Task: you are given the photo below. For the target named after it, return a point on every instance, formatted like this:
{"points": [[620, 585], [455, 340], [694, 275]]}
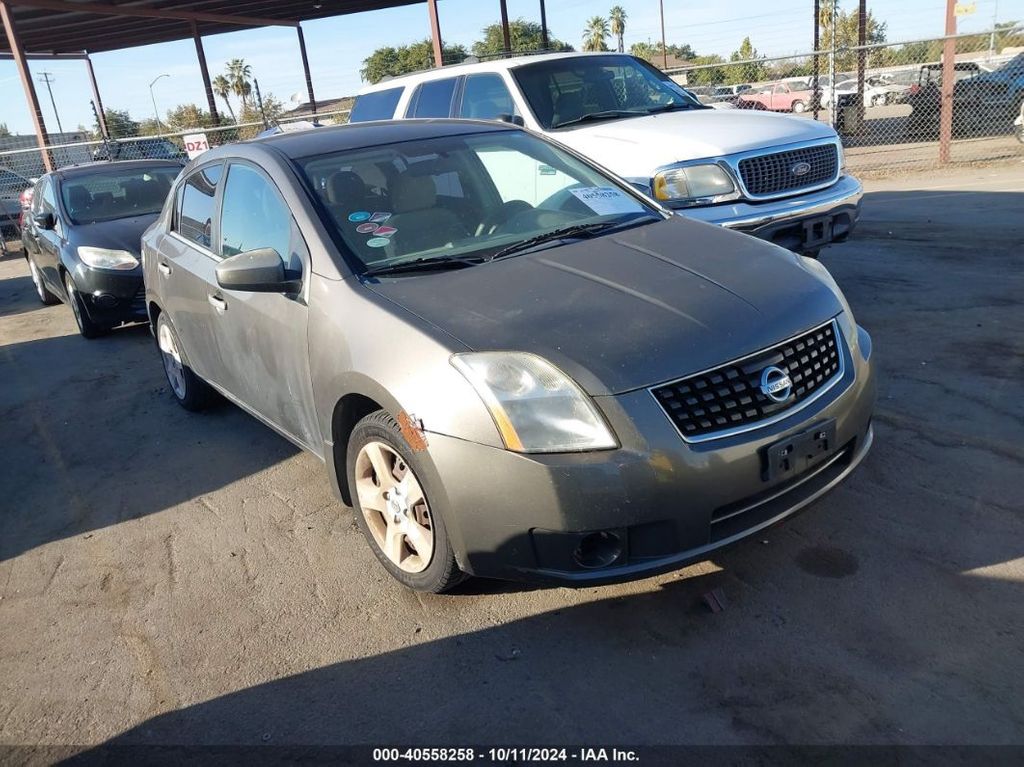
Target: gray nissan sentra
{"points": [[511, 362]]}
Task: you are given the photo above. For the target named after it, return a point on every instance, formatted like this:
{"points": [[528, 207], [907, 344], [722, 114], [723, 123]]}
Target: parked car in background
{"points": [[778, 97], [82, 238], [728, 94], [877, 92], [1018, 124], [771, 176], [12, 189], [983, 101], [140, 149], [545, 378]]}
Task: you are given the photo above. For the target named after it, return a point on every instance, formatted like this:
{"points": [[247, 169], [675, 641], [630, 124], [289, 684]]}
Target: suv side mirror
{"points": [[44, 220], [513, 119], [257, 271]]}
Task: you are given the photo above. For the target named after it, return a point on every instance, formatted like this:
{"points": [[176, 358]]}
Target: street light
{"points": [[156, 112]]}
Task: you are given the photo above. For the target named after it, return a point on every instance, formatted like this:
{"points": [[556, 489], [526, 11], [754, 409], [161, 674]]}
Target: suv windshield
{"points": [[567, 91], [108, 195], [462, 198]]}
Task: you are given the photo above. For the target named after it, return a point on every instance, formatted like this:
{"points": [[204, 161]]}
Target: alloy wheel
{"points": [[172, 360], [394, 507]]}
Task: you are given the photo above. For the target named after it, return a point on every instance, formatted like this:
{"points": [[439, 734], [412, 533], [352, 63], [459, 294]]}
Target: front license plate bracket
{"points": [[817, 232], [799, 452]]}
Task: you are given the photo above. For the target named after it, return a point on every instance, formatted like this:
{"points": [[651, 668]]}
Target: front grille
{"points": [[730, 396], [770, 174]]}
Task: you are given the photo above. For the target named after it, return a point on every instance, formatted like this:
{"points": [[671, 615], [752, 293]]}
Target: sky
{"points": [[337, 47]]}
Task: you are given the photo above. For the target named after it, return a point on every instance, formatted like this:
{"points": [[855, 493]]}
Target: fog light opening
{"points": [[598, 550]]}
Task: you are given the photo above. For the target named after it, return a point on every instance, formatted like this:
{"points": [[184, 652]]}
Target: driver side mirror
{"points": [[44, 220], [513, 119], [257, 271]]}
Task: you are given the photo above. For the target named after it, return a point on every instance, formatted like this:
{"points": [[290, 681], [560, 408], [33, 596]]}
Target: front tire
{"points": [[188, 389], [45, 296], [86, 326], [403, 526], [799, 107]]}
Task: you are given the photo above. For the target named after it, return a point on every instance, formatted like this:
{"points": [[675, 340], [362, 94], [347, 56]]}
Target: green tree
{"points": [[119, 123], [186, 116], [706, 75], [525, 37], [748, 72], [595, 34], [847, 24], [222, 87], [389, 61], [239, 74], [652, 51], [617, 15]]}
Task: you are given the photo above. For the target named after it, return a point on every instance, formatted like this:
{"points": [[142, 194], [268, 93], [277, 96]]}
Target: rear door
{"points": [[185, 269], [262, 336]]}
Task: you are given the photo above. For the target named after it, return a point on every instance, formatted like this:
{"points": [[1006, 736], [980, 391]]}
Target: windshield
{"points": [[462, 197], [109, 195], [564, 90]]}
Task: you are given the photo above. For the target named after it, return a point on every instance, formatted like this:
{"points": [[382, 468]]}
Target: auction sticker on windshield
{"points": [[606, 200]]}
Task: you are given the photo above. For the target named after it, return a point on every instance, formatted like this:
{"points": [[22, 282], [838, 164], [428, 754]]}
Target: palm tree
{"points": [[222, 87], [594, 34], [239, 74], [618, 19]]}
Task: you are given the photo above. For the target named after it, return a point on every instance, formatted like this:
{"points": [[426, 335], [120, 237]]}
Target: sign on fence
{"points": [[195, 144]]}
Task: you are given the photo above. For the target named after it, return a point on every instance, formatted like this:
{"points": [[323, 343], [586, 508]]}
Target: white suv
{"points": [[777, 177]]}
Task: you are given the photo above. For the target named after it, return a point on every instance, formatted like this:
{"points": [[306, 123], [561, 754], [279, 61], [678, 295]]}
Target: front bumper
{"points": [[111, 297], [669, 503], [804, 222]]}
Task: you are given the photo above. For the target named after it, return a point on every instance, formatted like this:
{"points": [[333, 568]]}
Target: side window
{"points": [[37, 195], [195, 222], [253, 215], [433, 99], [49, 200], [379, 105], [486, 96], [781, 89]]}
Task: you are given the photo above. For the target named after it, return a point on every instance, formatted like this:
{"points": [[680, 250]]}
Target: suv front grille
{"points": [[709, 404], [771, 174]]}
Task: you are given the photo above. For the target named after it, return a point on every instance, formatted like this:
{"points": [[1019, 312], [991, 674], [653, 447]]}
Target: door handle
{"points": [[164, 268], [217, 303]]}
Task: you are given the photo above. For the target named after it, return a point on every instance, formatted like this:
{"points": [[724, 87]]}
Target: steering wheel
{"points": [[502, 214]]}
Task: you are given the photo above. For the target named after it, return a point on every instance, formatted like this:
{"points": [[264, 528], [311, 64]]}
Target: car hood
{"points": [[628, 309], [119, 234], [634, 147]]}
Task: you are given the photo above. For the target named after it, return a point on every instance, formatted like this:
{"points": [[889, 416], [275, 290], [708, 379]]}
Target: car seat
{"points": [[421, 224]]}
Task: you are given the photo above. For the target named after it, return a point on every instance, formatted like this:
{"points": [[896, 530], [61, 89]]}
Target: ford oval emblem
{"points": [[800, 168], [776, 384]]}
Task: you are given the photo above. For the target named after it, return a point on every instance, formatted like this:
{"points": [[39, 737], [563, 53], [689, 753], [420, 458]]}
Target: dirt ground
{"points": [[175, 578]]}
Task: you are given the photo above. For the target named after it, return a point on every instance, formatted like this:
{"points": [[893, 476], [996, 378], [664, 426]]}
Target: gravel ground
{"points": [[176, 578]]}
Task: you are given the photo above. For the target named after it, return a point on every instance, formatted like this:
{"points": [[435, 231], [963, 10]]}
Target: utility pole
{"points": [[832, 63], [664, 48], [948, 76], [817, 63], [992, 34], [47, 77]]}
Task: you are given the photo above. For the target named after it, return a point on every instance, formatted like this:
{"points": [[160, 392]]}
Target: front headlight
{"points": [[101, 258], [536, 407], [692, 182]]}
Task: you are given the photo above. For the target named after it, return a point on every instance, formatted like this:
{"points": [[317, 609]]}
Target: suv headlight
{"points": [[536, 407], [693, 182], [101, 258]]}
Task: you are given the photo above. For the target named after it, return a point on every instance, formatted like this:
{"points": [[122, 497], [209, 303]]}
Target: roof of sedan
{"points": [[88, 168], [369, 134]]}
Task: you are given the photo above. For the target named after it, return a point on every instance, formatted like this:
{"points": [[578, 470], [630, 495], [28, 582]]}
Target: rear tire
{"points": [[45, 296], [799, 107], [86, 326], [188, 389], [383, 470]]}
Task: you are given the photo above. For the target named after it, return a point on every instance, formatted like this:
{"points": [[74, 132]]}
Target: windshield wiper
{"points": [[577, 230], [426, 264], [668, 108], [608, 114]]}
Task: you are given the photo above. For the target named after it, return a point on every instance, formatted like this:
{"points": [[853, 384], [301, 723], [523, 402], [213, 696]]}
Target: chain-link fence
{"points": [[890, 117]]}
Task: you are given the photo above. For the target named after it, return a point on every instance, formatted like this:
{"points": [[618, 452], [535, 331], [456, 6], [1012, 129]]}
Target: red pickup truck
{"points": [[777, 97]]}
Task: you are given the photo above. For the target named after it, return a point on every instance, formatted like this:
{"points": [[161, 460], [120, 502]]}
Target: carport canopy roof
{"points": [[74, 26]]}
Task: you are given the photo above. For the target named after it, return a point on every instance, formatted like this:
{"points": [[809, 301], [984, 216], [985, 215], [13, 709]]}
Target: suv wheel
{"points": [[404, 528], [190, 391], [86, 326], [45, 296]]}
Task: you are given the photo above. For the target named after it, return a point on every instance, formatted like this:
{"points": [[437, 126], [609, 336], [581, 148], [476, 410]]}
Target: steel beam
{"points": [[948, 77], [26, 83], [103, 9], [505, 37], [201, 55], [305, 69], [435, 33], [544, 25], [100, 115]]}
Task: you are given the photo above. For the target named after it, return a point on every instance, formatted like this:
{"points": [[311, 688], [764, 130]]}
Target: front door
{"points": [[262, 336]]}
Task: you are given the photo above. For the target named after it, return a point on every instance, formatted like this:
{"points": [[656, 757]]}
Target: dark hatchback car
{"points": [[511, 363], [82, 238]]}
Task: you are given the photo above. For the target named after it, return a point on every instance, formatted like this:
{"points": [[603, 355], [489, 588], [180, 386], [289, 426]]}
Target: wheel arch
{"points": [[348, 411]]}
